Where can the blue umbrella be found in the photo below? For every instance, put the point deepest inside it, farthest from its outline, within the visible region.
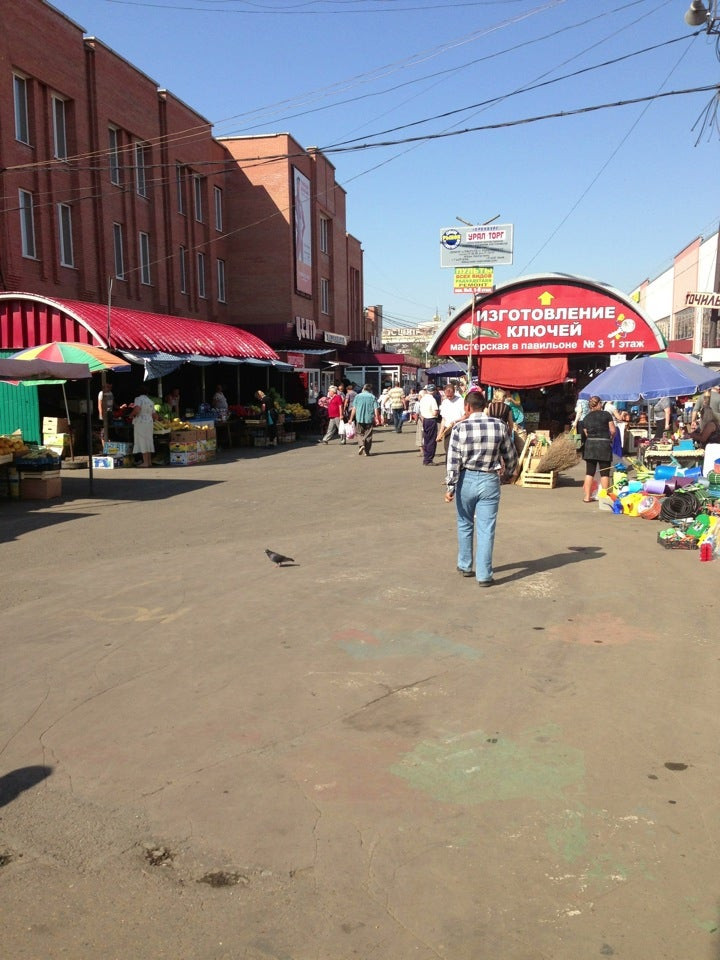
(648, 378)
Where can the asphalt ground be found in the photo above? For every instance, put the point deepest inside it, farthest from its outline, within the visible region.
(360, 754)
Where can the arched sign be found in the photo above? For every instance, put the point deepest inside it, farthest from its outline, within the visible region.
(549, 315)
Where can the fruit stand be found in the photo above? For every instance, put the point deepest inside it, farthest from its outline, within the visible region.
(28, 473)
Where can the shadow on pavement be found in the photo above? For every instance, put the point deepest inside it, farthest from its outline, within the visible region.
(14, 783)
(555, 560)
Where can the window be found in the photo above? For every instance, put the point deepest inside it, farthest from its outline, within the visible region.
(182, 260)
(144, 244)
(324, 235)
(221, 281)
(114, 155)
(27, 224)
(59, 131)
(65, 233)
(201, 275)
(324, 295)
(140, 170)
(118, 250)
(218, 197)
(180, 187)
(197, 194)
(22, 125)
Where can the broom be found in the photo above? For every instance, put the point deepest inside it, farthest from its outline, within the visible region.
(561, 455)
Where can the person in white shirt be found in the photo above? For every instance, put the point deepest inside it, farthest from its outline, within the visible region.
(452, 409)
(429, 414)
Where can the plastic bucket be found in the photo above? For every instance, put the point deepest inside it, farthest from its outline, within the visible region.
(634, 486)
(692, 472)
(716, 466)
(663, 471)
(656, 487)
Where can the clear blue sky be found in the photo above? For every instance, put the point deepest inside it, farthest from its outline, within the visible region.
(611, 195)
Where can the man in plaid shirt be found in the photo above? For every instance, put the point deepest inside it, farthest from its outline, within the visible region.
(480, 448)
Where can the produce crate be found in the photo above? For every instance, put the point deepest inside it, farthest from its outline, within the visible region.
(38, 487)
(542, 480)
(110, 463)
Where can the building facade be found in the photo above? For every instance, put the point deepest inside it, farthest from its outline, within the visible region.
(677, 300)
(115, 190)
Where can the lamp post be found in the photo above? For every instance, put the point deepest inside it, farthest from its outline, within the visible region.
(699, 15)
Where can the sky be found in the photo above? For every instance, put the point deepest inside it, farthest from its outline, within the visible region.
(611, 194)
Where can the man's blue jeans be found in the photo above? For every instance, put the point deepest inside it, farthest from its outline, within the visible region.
(398, 420)
(477, 499)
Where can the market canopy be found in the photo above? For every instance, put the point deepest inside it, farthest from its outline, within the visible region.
(28, 319)
(544, 318)
(648, 378)
(444, 369)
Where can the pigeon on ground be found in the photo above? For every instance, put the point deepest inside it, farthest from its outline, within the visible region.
(278, 558)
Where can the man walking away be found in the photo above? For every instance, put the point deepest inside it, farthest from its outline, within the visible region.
(429, 413)
(335, 415)
(479, 449)
(363, 413)
(396, 399)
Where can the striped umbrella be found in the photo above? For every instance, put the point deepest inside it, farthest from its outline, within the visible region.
(97, 358)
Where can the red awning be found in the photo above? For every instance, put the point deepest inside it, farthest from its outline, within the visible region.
(27, 320)
(522, 373)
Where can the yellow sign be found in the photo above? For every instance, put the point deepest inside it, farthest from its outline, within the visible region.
(473, 279)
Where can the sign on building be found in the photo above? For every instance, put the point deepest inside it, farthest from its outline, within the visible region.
(473, 279)
(710, 300)
(482, 246)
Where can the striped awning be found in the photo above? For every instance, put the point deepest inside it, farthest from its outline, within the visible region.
(27, 319)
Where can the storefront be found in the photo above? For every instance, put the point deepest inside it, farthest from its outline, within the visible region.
(192, 356)
(545, 336)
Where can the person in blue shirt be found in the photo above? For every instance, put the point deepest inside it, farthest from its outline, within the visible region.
(362, 414)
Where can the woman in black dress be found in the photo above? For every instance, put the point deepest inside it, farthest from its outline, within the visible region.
(598, 428)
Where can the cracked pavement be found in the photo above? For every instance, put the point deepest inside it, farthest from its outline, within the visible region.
(205, 757)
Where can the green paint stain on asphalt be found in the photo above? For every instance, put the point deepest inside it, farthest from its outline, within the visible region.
(377, 646)
(569, 840)
(477, 767)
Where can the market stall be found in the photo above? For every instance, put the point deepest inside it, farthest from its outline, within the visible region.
(32, 471)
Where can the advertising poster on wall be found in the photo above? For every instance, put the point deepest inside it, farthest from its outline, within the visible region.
(303, 233)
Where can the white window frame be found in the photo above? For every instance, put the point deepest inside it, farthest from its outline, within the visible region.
(144, 258)
(180, 187)
(324, 235)
(59, 121)
(114, 155)
(26, 205)
(218, 200)
(200, 269)
(118, 251)
(140, 169)
(324, 295)
(221, 288)
(67, 256)
(197, 197)
(22, 114)
(182, 261)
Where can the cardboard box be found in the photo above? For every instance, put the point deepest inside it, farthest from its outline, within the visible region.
(183, 436)
(39, 487)
(178, 459)
(114, 448)
(177, 447)
(55, 425)
(56, 440)
(110, 463)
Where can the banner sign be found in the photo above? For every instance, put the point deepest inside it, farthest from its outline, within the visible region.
(548, 316)
(473, 279)
(480, 246)
(711, 300)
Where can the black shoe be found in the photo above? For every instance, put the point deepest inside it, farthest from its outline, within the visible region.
(486, 583)
(465, 573)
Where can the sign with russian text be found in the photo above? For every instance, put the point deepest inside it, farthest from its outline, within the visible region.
(473, 279)
(548, 316)
(711, 300)
(483, 246)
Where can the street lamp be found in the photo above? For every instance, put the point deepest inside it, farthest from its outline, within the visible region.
(698, 14)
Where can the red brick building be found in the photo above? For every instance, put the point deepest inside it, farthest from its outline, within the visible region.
(109, 181)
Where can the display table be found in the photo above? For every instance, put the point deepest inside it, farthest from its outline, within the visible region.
(686, 458)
